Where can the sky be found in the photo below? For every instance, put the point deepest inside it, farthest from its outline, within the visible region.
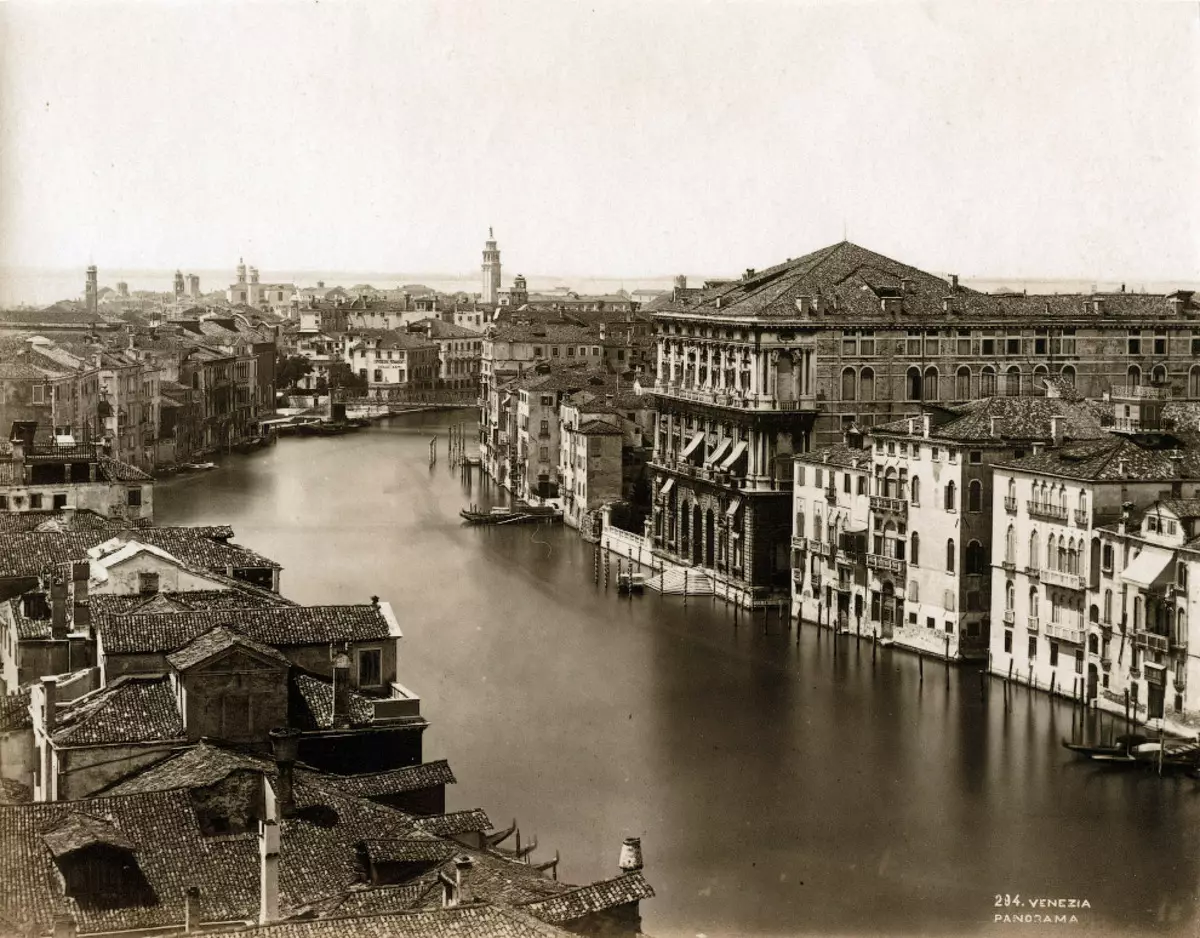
(601, 139)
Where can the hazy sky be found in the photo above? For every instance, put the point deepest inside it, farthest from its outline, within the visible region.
(603, 139)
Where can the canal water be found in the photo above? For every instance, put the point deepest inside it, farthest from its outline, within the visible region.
(779, 786)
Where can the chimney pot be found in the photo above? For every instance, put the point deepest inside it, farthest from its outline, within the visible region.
(954, 281)
(285, 744)
(631, 855)
(58, 608)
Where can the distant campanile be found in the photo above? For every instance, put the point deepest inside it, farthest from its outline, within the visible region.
(91, 290)
(491, 270)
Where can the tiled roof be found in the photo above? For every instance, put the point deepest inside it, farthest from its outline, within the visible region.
(114, 470)
(596, 897)
(197, 766)
(278, 626)
(599, 428)
(456, 822)
(1182, 508)
(14, 711)
(314, 704)
(13, 792)
(1112, 460)
(408, 778)
(469, 921)
(837, 455)
(549, 333)
(28, 629)
(77, 830)
(409, 850)
(440, 329)
(128, 710)
(851, 282)
(24, 522)
(1017, 418)
(214, 642)
(238, 596)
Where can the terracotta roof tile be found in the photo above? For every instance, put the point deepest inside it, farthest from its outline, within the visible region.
(128, 710)
(14, 711)
(597, 897)
(315, 700)
(472, 821)
(216, 641)
(408, 778)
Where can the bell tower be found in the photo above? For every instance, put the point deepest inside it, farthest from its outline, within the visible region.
(491, 270)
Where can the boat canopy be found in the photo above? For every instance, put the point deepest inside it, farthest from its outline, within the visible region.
(1147, 567)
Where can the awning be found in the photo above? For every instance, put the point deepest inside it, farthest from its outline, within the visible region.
(696, 442)
(666, 488)
(720, 451)
(738, 452)
(1147, 567)
(735, 505)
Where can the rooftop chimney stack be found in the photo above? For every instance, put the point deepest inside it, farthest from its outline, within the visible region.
(191, 910)
(1057, 427)
(64, 926)
(954, 282)
(268, 854)
(994, 432)
(49, 702)
(58, 608)
(80, 611)
(1123, 524)
(285, 744)
(462, 878)
(341, 689)
(631, 855)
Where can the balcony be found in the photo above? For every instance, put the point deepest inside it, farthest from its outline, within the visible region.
(1009, 617)
(799, 543)
(401, 703)
(1047, 511)
(1031, 623)
(1034, 573)
(797, 575)
(740, 400)
(1008, 566)
(1067, 580)
(1081, 518)
(886, 564)
(1064, 633)
(1151, 642)
(1106, 663)
(1141, 392)
(1177, 646)
(897, 506)
(831, 495)
(1010, 504)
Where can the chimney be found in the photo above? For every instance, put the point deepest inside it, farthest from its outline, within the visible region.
(1123, 524)
(462, 878)
(64, 926)
(49, 702)
(906, 284)
(631, 855)
(681, 282)
(80, 614)
(268, 854)
(341, 689)
(995, 429)
(191, 910)
(601, 332)
(912, 426)
(58, 608)
(1098, 306)
(1038, 447)
(1057, 423)
(285, 744)
(1121, 468)
(749, 273)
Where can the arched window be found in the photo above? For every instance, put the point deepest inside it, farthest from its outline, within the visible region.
(849, 384)
(1040, 374)
(1012, 381)
(1181, 576)
(1012, 489)
(1062, 498)
(931, 384)
(950, 554)
(1033, 602)
(1068, 375)
(975, 496)
(1010, 545)
(1010, 595)
(976, 558)
(866, 384)
(1093, 645)
(1134, 375)
(915, 486)
(1158, 374)
(891, 483)
(962, 383)
(914, 549)
(1181, 624)
(817, 524)
(1034, 549)
(912, 385)
(1062, 554)
(1108, 607)
(987, 382)
(951, 496)
(1193, 387)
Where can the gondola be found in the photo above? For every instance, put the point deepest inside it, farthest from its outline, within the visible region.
(1120, 747)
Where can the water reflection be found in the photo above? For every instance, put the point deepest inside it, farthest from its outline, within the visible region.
(780, 788)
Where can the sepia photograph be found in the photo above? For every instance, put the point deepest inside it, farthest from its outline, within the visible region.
(664, 469)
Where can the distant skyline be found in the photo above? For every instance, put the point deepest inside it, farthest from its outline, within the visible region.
(629, 140)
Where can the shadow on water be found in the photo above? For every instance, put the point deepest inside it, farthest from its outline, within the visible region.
(779, 788)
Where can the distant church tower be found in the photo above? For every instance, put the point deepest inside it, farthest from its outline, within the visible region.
(519, 294)
(241, 271)
(91, 290)
(179, 284)
(491, 270)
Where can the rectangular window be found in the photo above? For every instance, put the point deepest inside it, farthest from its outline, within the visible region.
(1135, 342)
(39, 394)
(989, 343)
(60, 500)
(849, 342)
(800, 474)
(544, 453)
(1054, 654)
(935, 454)
(866, 344)
(35, 500)
(1012, 345)
(817, 478)
(862, 485)
(370, 667)
(147, 582)
(931, 344)
(133, 497)
(846, 483)
(929, 623)
(570, 351)
(1008, 641)
(3, 503)
(975, 457)
(963, 343)
(913, 344)
(1032, 647)
(1160, 341)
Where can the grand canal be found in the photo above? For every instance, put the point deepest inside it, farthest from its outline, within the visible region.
(779, 788)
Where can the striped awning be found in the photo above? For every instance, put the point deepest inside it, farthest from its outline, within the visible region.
(666, 488)
(735, 505)
(696, 442)
(738, 452)
(719, 452)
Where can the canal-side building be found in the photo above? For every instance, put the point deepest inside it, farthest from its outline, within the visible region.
(459, 352)
(1063, 598)
(901, 537)
(395, 363)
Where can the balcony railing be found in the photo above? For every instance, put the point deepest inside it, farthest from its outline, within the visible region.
(1034, 573)
(831, 495)
(1152, 642)
(799, 543)
(1081, 517)
(1141, 392)
(1064, 633)
(1057, 578)
(1009, 566)
(1047, 511)
(1105, 662)
(739, 399)
(887, 503)
(1177, 645)
(1031, 623)
(1010, 504)
(886, 564)
(1009, 617)
(797, 575)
